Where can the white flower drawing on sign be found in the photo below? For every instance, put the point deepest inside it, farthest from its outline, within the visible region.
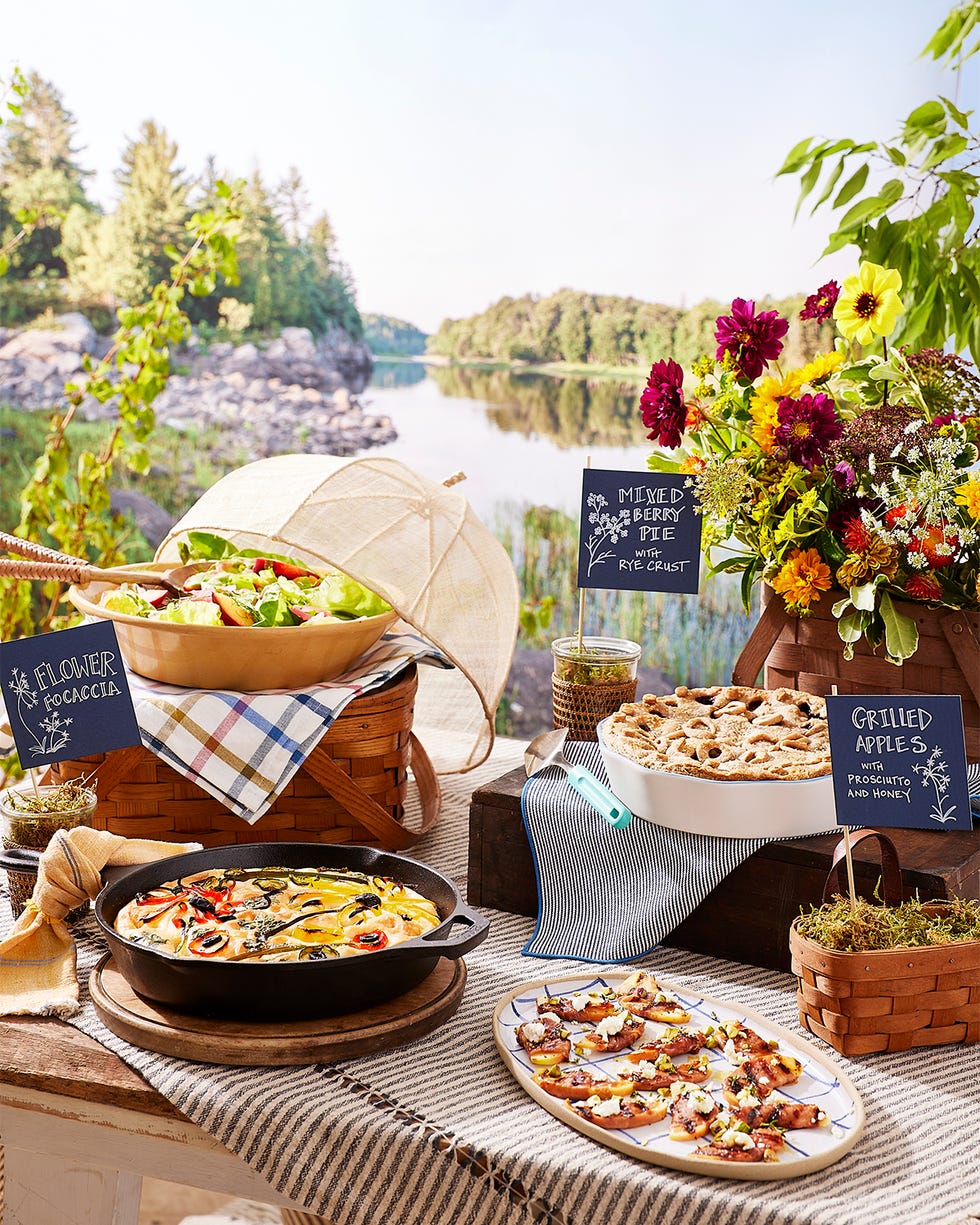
(935, 772)
(54, 727)
(605, 527)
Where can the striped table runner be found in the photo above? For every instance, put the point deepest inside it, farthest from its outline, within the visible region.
(439, 1133)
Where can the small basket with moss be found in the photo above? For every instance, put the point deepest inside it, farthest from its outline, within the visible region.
(887, 977)
(29, 819)
(591, 678)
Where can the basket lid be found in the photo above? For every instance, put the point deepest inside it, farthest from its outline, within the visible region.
(414, 541)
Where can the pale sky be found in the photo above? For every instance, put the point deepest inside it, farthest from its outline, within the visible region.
(468, 149)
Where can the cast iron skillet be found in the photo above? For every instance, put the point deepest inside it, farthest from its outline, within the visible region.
(288, 990)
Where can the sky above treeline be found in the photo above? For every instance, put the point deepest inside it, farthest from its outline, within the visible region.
(466, 151)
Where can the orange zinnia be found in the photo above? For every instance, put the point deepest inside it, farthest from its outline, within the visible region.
(803, 576)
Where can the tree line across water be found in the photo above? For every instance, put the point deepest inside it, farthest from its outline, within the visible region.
(78, 256)
(593, 329)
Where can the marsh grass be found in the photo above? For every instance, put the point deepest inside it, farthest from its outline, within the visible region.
(693, 639)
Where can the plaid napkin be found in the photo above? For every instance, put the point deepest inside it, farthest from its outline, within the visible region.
(243, 748)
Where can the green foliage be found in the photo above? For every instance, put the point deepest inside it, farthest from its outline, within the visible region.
(390, 337)
(920, 214)
(39, 178)
(592, 330)
(66, 499)
(62, 251)
(695, 640)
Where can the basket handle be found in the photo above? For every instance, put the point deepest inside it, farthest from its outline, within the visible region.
(392, 835)
(760, 643)
(891, 871)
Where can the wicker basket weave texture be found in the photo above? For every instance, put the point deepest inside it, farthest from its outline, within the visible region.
(808, 655)
(861, 1003)
(370, 741)
(887, 1000)
(581, 708)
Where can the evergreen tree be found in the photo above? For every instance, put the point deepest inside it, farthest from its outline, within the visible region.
(152, 212)
(39, 176)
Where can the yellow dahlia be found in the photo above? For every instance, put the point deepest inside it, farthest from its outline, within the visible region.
(869, 304)
(803, 576)
(968, 495)
(765, 406)
(822, 365)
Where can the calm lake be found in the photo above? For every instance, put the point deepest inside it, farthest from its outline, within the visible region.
(523, 439)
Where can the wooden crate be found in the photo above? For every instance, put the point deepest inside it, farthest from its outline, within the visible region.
(351, 788)
(747, 917)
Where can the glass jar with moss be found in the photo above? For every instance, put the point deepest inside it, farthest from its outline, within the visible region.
(592, 677)
(30, 818)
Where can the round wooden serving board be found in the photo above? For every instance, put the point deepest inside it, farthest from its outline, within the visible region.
(212, 1040)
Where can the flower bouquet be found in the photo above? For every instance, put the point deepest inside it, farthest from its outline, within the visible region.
(856, 471)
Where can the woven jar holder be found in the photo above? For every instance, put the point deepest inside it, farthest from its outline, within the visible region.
(581, 707)
(886, 1000)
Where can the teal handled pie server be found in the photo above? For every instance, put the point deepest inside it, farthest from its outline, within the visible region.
(546, 750)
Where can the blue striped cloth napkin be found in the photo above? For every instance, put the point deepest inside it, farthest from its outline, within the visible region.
(609, 894)
(612, 895)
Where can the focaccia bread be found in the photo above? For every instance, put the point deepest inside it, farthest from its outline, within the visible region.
(725, 732)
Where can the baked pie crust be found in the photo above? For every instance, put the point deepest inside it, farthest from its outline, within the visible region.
(725, 732)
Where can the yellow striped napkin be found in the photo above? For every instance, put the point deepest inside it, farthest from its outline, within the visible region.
(37, 959)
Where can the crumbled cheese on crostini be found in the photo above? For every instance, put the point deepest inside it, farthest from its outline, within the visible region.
(582, 999)
(611, 1025)
(734, 1056)
(701, 1101)
(604, 1109)
(534, 1031)
(736, 1139)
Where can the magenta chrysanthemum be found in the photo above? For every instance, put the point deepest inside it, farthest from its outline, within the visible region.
(807, 426)
(751, 340)
(820, 305)
(662, 403)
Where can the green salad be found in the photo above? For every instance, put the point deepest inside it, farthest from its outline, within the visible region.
(248, 587)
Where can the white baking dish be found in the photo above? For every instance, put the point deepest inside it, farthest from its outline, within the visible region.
(724, 809)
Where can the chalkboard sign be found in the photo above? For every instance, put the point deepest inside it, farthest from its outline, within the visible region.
(899, 761)
(640, 532)
(67, 694)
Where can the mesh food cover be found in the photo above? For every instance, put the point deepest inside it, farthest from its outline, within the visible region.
(415, 542)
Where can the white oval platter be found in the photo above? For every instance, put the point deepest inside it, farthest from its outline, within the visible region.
(822, 1082)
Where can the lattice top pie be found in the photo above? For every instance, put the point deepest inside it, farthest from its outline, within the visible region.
(725, 732)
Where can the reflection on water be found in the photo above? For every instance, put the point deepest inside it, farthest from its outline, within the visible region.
(569, 411)
(523, 440)
(397, 374)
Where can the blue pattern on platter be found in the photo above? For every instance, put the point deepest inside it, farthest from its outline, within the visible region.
(820, 1082)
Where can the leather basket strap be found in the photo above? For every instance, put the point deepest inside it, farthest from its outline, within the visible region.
(891, 871)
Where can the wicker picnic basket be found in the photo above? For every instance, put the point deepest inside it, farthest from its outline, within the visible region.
(887, 1000)
(807, 653)
(352, 788)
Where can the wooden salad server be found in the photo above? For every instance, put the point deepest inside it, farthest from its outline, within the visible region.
(48, 565)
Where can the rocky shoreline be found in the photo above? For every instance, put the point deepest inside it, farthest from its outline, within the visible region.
(293, 393)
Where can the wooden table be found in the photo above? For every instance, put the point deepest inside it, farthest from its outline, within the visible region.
(81, 1130)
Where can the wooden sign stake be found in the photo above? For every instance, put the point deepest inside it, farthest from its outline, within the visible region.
(847, 850)
(581, 590)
